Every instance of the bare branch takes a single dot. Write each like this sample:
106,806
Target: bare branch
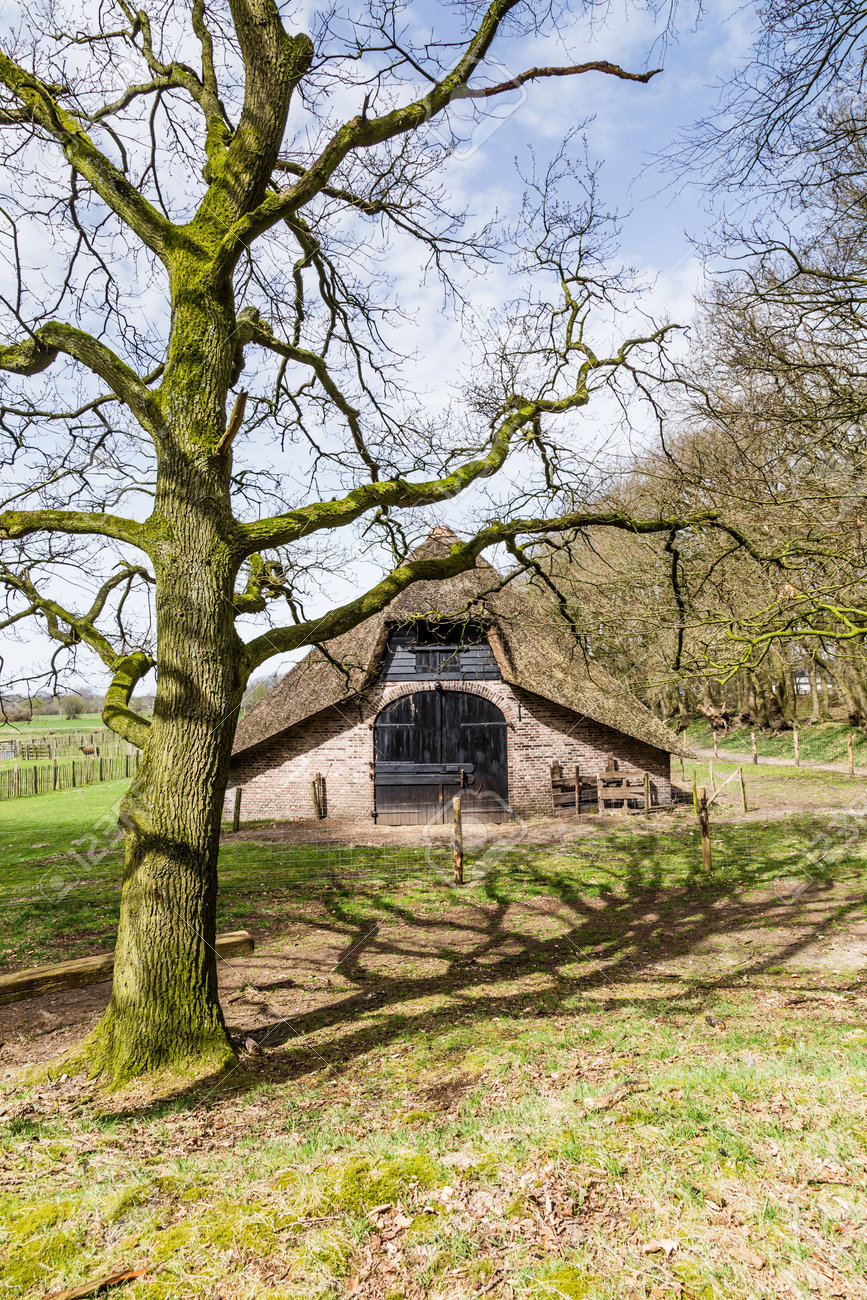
461,557
15,524
110,183
44,345
535,74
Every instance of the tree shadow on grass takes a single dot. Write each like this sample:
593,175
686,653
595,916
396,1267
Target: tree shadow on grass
539,935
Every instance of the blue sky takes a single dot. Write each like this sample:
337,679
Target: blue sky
631,125
628,126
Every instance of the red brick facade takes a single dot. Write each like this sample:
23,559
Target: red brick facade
338,742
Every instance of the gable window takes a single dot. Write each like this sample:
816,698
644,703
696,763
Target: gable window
440,649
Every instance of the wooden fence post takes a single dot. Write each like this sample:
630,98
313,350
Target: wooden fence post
743,789
458,840
15,782
35,779
694,793
755,747
850,744
577,789
716,744
704,823
54,777
236,811
797,741
647,794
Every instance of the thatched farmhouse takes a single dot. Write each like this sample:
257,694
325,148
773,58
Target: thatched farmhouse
460,685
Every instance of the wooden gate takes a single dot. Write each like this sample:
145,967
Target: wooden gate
430,745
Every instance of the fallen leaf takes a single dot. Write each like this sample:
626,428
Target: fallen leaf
747,1256
96,1285
460,1159
495,1280
666,1246
713,1197
609,1099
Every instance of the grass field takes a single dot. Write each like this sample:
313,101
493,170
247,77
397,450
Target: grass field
827,743
592,1072
52,722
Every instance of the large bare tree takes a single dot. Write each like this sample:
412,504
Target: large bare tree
192,190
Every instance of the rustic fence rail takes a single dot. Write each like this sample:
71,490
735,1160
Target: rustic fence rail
20,779
35,745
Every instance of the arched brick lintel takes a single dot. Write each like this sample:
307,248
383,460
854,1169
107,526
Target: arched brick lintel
503,699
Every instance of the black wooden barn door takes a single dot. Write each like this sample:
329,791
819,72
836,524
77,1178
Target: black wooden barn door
423,743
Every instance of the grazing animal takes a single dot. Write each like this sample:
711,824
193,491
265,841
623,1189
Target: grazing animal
89,749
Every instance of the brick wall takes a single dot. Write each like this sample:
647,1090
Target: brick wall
338,742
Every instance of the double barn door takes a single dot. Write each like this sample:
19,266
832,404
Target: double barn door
431,745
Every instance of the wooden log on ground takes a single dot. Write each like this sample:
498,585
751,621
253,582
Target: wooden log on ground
76,974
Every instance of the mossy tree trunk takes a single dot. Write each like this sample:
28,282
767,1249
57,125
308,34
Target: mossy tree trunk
164,1010
815,701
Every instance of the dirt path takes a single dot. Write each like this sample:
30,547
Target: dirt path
746,760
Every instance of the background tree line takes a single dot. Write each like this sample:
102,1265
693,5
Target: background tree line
766,425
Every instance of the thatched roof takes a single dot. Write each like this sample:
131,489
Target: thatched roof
533,650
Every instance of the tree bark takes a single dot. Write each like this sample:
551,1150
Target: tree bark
763,712
848,687
815,701
164,1011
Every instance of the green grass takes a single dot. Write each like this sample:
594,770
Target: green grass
60,867
827,743
430,1050
60,870
52,722
32,830
458,1104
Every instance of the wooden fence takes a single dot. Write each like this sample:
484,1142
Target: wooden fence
36,745
65,774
